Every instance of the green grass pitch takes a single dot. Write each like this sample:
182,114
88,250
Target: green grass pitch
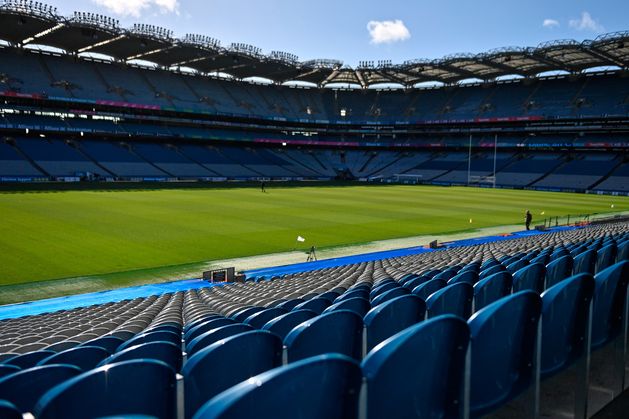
49,235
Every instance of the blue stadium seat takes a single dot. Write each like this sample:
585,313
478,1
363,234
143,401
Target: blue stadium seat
490,271
25,387
241,315
391,317
585,263
622,251
382,288
108,343
29,359
389,295
452,299
491,289
339,331
609,298
283,324
290,304
352,293
84,357
206,326
315,304
9,411
503,343
214,335
159,336
8,369
517,265
427,288
329,295
415,282
198,321
565,322
445,275
558,270
166,352
606,256
259,319
139,387
531,277
471,277
227,363
358,305
406,377
325,386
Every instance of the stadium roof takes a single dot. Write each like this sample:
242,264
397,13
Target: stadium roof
24,22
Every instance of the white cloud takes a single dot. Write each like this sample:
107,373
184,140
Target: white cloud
586,23
136,8
387,31
550,23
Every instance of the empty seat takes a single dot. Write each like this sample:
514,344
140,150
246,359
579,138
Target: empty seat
166,352
609,298
471,277
158,336
558,270
605,257
8,369
108,343
139,387
283,324
84,357
358,305
325,386
389,295
338,331
316,304
503,343
242,314
259,319
29,360
389,318
227,363
427,288
585,263
452,299
9,411
206,326
491,289
418,372
531,277
214,335
24,388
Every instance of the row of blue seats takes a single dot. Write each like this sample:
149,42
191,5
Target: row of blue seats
420,370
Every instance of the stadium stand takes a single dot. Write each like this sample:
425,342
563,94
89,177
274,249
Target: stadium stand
386,316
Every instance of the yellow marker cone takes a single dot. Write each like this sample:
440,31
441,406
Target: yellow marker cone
470,221
543,212
612,205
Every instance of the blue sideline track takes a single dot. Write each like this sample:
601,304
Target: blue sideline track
70,302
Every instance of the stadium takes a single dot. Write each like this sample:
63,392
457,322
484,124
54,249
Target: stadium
198,230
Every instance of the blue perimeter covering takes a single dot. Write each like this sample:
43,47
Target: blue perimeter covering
83,300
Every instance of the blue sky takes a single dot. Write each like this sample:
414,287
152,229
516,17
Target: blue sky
352,31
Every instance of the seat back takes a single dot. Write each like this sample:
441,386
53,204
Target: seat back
315,304
227,363
29,359
610,292
140,387
206,326
491,289
585,263
240,315
471,277
389,318
25,387
338,331
166,352
283,324
9,411
530,277
503,346
424,290
325,386
565,322
558,270
214,335
453,299
389,295
406,377
259,319
108,343
605,257
358,305
84,357
162,336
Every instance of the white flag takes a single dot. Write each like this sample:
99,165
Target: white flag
300,239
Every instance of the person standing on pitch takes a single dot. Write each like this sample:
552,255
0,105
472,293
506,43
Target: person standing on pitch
263,186
527,219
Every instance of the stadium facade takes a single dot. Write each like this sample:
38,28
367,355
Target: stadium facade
102,102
